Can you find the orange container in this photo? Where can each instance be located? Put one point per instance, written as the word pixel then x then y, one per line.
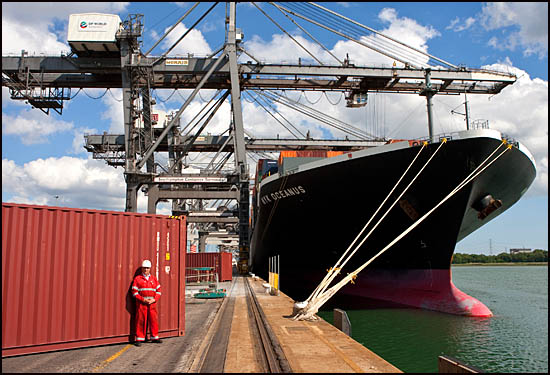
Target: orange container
pixel 286 154
pixel 311 154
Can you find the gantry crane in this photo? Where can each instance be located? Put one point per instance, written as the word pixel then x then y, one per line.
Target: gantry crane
pixel 45 82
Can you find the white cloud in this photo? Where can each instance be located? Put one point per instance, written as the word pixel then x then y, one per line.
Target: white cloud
pixel 455 26
pixel 7 101
pixel 493 42
pixel 78 140
pixel 282 48
pixel 32 127
pixel 210 26
pixel 404 29
pixel 37 11
pixel 453 23
pixel 115 111
pixel 497 15
pixel 521 111
pixel 84 183
pixel 17 36
pixel 22 22
pixel 530 18
pixel 170 101
pixel 194 42
pixel 344 4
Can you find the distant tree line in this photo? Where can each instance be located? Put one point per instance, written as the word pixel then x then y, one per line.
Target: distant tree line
pixel 533 256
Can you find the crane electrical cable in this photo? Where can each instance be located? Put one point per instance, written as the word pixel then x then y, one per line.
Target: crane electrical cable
pixel 337 27
pixel 171 28
pixel 351 30
pixel 290 36
pixel 317 115
pixel 276 119
pixel 357 31
pixel 185 34
pixel 164 100
pixel 308 34
pixel 386 36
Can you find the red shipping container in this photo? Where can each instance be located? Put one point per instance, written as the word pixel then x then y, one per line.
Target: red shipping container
pixel 226 269
pixel 221 262
pixel 67 275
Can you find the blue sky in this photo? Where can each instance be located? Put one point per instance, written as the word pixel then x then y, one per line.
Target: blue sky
pixel 43 157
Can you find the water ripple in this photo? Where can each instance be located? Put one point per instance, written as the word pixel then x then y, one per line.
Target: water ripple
pixel 514 340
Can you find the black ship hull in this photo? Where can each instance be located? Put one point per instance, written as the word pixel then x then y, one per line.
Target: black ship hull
pixel 311 216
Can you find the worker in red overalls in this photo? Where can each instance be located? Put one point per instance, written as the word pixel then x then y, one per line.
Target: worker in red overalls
pixel 146 289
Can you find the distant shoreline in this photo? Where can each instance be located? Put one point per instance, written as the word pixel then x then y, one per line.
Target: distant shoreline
pixel 502 264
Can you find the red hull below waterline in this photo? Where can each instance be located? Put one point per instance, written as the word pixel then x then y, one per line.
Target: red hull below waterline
pixel 425 289
pixel 377 288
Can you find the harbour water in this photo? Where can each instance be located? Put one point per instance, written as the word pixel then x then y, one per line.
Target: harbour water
pixel 514 340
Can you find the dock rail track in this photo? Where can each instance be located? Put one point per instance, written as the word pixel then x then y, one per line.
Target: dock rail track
pixel 271 353
pixel 268 351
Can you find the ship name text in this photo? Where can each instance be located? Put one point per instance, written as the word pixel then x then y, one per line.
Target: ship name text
pixel 289 192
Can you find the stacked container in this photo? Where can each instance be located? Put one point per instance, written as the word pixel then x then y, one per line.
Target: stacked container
pixel 289 160
pixel 308 154
pixel 220 262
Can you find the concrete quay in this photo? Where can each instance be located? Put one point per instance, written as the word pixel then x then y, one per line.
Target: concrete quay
pixel 309 346
pixel 219 337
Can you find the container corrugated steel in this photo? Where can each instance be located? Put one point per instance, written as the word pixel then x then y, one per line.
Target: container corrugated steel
pixel 286 154
pixel 220 261
pixel 306 154
pixel 226 270
pixel 67 274
pixel 194 260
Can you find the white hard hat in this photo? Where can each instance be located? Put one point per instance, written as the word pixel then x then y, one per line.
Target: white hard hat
pixel 146 263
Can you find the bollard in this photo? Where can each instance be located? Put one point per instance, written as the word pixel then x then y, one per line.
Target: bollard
pixel 298 306
pixel 273 275
pixel 341 321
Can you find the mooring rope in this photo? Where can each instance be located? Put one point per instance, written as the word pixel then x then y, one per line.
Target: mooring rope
pixel 334 274
pixel 312 307
pixel 333 271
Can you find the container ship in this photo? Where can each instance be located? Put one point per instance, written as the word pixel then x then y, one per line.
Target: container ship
pixel 308 208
